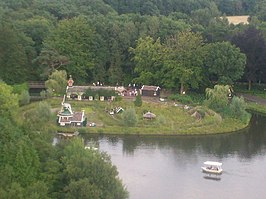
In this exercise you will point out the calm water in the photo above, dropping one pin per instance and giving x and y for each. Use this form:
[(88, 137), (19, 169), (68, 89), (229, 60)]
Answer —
[(169, 167)]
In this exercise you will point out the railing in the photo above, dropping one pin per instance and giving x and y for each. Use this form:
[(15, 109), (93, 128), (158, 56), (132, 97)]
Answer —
[(36, 84)]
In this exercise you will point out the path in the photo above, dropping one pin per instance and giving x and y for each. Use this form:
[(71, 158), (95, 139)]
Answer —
[(252, 98)]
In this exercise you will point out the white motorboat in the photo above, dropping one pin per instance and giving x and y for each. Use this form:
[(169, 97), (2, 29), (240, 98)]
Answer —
[(212, 167)]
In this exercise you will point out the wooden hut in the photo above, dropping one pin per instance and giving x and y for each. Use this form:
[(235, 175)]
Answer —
[(151, 91), (149, 116)]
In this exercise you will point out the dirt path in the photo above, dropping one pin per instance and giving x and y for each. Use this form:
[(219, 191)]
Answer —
[(252, 98), (247, 97)]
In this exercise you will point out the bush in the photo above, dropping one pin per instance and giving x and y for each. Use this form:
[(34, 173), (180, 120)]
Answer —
[(237, 109), (118, 98), (24, 98), (161, 120), (138, 101), (19, 88), (129, 117), (217, 98), (184, 99), (57, 82)]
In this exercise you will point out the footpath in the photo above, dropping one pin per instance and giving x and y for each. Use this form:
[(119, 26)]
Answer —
[(252, 98)]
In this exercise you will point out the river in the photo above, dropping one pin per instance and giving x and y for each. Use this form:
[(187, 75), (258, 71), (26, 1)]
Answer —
[(168, 167)]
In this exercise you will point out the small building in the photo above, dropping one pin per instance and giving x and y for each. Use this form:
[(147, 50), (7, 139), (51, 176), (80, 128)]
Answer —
[(151, 91), (149, 115), (66, 117), (79, 92)]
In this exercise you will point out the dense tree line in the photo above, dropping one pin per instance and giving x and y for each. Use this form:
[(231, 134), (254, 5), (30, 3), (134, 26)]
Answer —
[(177, 44), (31, 167), (91, 39)]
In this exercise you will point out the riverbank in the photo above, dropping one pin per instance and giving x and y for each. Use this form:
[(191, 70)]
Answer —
[(255, 103), (171, 118)]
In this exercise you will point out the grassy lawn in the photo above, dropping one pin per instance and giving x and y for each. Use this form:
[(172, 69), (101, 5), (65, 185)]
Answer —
[(257, 107), (170, 119)]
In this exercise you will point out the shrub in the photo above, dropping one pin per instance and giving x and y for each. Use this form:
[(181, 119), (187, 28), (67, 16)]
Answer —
[(217, 98), (237, 109), (138, 101), (129, 117), (19, 88), (57, 82), (118, 98), (24, 98), (184, 99), (161, 120)]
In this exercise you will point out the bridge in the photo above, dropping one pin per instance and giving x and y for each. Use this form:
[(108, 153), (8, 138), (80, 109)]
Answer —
[(36, 85)]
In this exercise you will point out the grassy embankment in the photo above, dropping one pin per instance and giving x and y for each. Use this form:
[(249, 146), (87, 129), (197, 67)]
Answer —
[(170, 120), (257, 90)]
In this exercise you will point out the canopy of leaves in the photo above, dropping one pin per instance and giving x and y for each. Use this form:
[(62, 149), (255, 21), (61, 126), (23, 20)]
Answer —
[(148, 58), (217, 98), (252, 43), (75, 39), (183, 60), (224, 62), (57, 82), (8, 101)]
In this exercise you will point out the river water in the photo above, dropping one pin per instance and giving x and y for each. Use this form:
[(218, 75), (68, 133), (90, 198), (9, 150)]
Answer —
[(168, 167)]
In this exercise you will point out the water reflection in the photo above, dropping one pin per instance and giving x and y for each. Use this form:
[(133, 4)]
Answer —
[(169, 166), (212, 177), (245, 144)]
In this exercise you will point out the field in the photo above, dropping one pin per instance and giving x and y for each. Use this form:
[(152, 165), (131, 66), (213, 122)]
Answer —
[(170, 119)]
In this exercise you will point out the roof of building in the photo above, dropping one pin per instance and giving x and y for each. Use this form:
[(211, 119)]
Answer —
[(149, 115), (73, 89), (150, 88), (77, 117)]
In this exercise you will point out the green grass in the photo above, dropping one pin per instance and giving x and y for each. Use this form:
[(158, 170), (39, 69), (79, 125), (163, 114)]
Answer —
[(170, 120), (257, 107)]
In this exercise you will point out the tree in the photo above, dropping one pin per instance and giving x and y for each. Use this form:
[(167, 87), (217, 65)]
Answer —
[(50, 60), (13, 57), (251, 42), (20, 161), (224, 63), (57, 82), (82, 188), (24, 98), (8, 101), (183, 60), (205, 15), (238, 109), (38, 118), (75, 39), (217, 98), (138, 100), (148, 59), (92, 168), (218, 30), (260, 10)]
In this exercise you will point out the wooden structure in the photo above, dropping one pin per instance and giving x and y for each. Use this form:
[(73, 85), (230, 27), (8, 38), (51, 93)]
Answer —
[(77, 92), (151, 91), (35, 87), (66, 117), (149, 115)]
